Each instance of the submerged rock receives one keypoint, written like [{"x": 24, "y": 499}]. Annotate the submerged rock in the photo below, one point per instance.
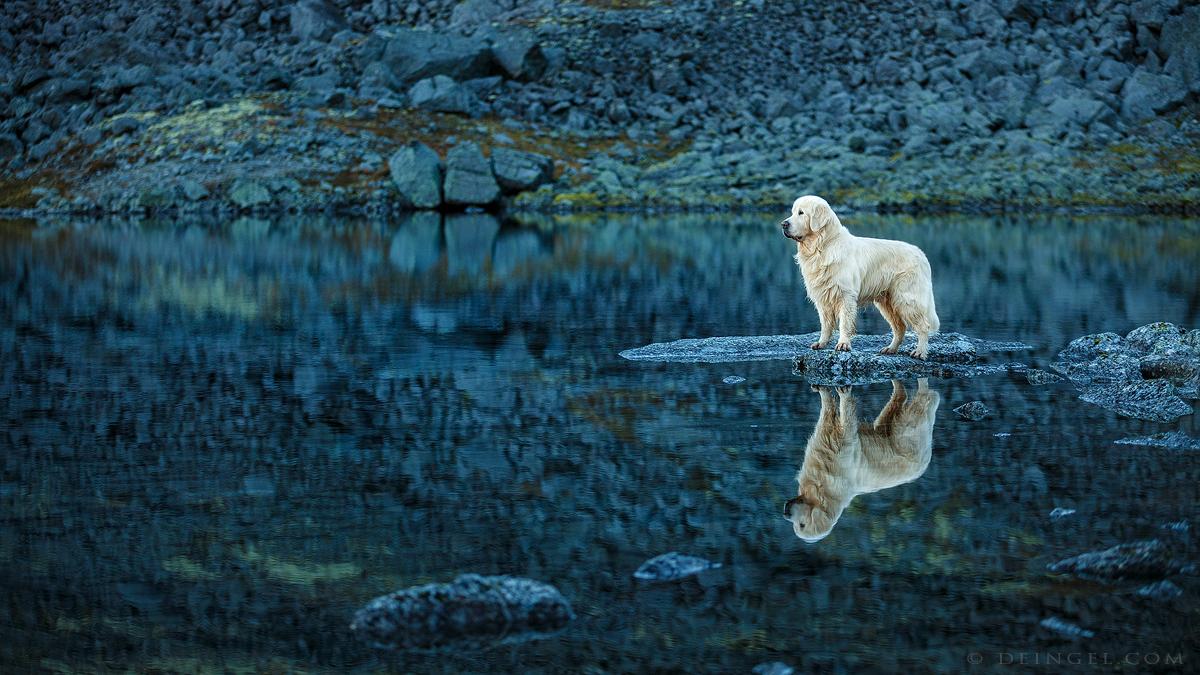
[
  {"x": 1065, "y": 627},
  {"x": 734, "y": 379},
  {"x": 1160, "y": 590},
  {"x": 1142, "y": 375},
  {"x": 1172, "y": 440},
  {"x": 974, "y": 411},
  {"x": 1150, "y": 559},
  {"x": 672, "y": 566},
  {"x": 471, "y": 612},
  {"x": 1059, "y": 513}
]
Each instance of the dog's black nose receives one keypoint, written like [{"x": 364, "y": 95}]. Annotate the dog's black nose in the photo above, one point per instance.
[{"x": 783, "y": 224}]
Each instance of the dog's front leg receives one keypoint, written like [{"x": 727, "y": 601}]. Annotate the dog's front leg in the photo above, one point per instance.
[
  {"x": 826, "y": 326},
  {"x": 847, "y": 316}
]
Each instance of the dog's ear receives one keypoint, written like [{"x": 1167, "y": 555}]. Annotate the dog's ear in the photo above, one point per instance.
[{"x": 822, "y": 216}]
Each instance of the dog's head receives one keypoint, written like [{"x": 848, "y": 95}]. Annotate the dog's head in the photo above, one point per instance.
[
  {"x": 810, "y": 215},
  {"x": 810, "y": 522}
]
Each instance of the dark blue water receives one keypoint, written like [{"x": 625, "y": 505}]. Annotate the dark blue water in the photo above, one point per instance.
[{"x": 217, "y": 440}]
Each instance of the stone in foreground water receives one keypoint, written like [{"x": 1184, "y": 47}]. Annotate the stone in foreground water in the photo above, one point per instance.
[
  {"x": 1150, "y": 559},
  {"x": 974, "y": 411},
  {"x": 471, "y": 612},
  {"x": 1171, "y": 440},
  {"x": 672, "y": 566},
  {"x": 1066, "y": 627}
]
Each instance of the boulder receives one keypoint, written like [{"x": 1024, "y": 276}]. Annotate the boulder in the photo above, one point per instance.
[
  {"x": 469, "y": 180},
  {"x": 974, "y": 411},
  {"x": 517, "y": 171},
  {"x": 1147, "y": 93},
  {"x": 471, "y": 13},
  {"x": 417, "y": 174},
  {"x": 414, "y": 54},
  {"x": 672, "y": 566},
  {"x": 442, "y": 94},
  {"x": 1179, "y": 44},
  {"x": 248, "y": 193},
  {"x": 1062, "y": 113},
  {"x": 471, "y": 612},
  {"x": 316, "y": 20},
  {"x": 516, "y": 50},
  {"x": 1150, "y": 559}
]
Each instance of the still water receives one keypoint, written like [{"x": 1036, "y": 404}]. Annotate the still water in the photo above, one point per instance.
[{"x": 217, "y": 440}]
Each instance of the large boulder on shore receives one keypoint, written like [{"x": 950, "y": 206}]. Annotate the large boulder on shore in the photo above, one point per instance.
[
  {"x": 417, "y": 173},
  {"x": 517, "y": 171},
  {"x": 442, "y": 94},
  {"x": 469, "y": 180},
  {"x": 472, "y": 612},
  {"x": 415, "y": 54},
  {"x": 516, "y": 50}
]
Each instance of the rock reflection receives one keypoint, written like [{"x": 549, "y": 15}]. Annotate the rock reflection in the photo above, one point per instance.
[
  {"x": 845, "y": 458},
  {"x": 469, "y": 240},
  {"x": 414, "y": 247}
]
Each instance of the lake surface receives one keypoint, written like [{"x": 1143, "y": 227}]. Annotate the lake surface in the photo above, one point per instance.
[{"x": 217, "y": 440}]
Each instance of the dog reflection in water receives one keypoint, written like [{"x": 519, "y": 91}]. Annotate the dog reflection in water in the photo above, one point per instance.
[{"x": 844, "y": 458}]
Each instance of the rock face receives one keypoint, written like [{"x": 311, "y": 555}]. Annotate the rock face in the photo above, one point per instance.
[
  {"x": 1150, "y": 559},
  {"x": 469, "y": 180},
  {"x": 472, "y": 612},
  {"x": 1142, "y": 375},
  {"x": 417, "y": 173},
  {"x": 517, "y": 171}
]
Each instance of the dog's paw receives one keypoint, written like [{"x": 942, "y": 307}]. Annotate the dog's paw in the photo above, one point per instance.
[
  {"x": 843, "y": 346},
  {"x": 818, "y": 345},
  {"x": 922, "y": 354},
  {"x": 888, "y": 350},
  {"x": 844, "y": 390}
]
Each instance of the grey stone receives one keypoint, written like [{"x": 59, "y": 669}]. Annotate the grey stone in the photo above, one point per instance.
[
  {"x": 672, "y": 566},
  {"x": 1171, "y": 440},
  {"x": 516, "y": 50},
  {"x": 415, "y": 54},
  {"x": 248, "y": 193},
  {"x": 416, "y": 172},
  {"x": 1147, "y": 93},
  {"x": 316, "y": 20},
  {"x": 192, "y": 189},
  {"x": 1059, "y": 513},
  {"x": 442, "y": 94},
  {"x": 469, "y": 13},
  {"x": 945, "y": 347},
  {"x": 1150, "y": 559},
  {"x": 733, "y": 379},
  {"x": 472, "y": 612},
  {"x": 517, "y": 171},
  {"x": 1180, "y": 44},
  {"x": 123, "y": 125},
  {"x": 1154, "y": 400},
  {"x": 1040, "y": 377},
  {"x": 974, "y": 411},
  {"x": 469, "y": 180},
  {"x": 10, "y": 146},
  {"x": 1161, "y": 590}
]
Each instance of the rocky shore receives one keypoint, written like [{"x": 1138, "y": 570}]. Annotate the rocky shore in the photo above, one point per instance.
[{"x": 319, "y": 105}]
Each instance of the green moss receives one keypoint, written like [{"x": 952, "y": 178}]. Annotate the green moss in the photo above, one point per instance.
[{"x": 578, "y": 200}]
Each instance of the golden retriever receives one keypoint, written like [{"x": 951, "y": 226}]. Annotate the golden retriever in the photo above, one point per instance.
[
  {"x": 842, "y": 271},
  {"x": 844, "y": 458}
]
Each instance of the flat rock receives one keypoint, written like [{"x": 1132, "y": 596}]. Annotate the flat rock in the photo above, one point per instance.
[
  {"x": 1172, "y": 440},
  {"x": 943, "y": 347},
  {"x": 671, "y": 566},
  {"x": 1153, "y": 400},
  {"x": 471, "y": 612},
  {"x": 1150, "y": 559}
]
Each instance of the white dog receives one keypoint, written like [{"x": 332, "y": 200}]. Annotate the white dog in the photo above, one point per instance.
[
  {"x": 844, "y": 458},
  {"x": 842, "y": 271}
]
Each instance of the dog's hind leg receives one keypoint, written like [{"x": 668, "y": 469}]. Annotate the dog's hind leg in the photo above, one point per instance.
[{"x": 893, "y": 318}]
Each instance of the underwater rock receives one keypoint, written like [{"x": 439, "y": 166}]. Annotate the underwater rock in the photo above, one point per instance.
[
  {"x": 1039, "y": 377},
  {"x": 943, "y": 347},
  {"x": 734, "y": 379},
  {"x": 1150, "y": 559},
  {"x": 1160, "y": 590},
  {"x": 471, "y": 612},
  {"x": 1172, "y": 440},
  {"x": 1059, "y": 513},
  {"x": 773, "y": 668},
  {"x": 974, "y": 411},
  {"x": 1142, "y": 375},
  {"x": 672, "y": 566},
  {"x": 1065, "y": 627}
]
